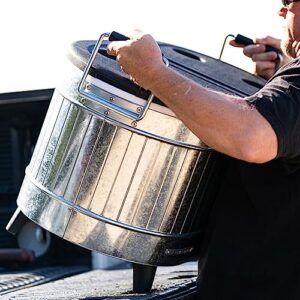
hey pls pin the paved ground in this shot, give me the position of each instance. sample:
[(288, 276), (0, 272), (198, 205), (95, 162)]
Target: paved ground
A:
[(100, 284)]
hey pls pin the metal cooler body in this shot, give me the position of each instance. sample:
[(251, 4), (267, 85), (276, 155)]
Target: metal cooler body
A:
[(140, 190)]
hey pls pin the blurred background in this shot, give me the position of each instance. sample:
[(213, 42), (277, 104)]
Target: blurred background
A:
[(35, 35)]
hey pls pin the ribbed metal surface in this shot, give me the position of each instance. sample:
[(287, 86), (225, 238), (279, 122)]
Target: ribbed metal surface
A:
[(10, 282), (110, 171), (152, 178)]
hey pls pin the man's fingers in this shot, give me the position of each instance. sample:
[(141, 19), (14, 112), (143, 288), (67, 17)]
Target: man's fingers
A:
[(235, 44), (112, 48), (268, 40), (265, 65), (250, 50), (265, 56), (265, 69)]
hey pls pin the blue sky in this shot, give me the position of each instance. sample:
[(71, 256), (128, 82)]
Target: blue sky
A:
[(36, 33)]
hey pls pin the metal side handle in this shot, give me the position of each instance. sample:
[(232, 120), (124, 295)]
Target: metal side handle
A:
[(86, 93)]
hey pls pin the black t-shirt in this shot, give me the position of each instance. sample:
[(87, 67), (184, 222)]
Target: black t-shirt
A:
[(254, 228)]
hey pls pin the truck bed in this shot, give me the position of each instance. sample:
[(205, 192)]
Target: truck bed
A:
[(78, 282)]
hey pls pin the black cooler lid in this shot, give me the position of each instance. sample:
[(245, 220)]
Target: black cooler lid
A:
[(205, 70)]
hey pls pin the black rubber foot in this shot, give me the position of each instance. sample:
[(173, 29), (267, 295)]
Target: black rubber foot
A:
[(143, 277)]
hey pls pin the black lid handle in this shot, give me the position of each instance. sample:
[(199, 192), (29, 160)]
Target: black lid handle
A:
[(241, 39), (116, 36)]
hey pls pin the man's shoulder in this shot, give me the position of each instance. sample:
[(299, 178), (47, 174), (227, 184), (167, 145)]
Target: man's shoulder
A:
[(293, 64)]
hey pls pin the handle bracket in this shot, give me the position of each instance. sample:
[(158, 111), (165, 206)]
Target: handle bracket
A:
[(85, 92)]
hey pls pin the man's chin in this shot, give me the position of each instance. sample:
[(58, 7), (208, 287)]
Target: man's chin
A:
[(287, 48)]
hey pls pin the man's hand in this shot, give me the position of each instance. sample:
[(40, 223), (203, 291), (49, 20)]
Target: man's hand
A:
[(140, 57), (224, 122), (266, 63)]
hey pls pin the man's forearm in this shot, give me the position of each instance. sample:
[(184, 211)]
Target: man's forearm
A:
[(224, 122)]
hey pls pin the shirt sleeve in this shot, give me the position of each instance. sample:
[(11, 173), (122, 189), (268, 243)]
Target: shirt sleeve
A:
[(279, 103)]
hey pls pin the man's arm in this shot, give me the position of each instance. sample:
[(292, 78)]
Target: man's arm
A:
[(226, 123)]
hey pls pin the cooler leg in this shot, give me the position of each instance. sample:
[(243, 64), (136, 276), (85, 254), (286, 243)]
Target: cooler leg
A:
[(143, 277), (16, 222)]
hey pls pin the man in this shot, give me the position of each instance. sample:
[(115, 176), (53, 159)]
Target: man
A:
[(253, 237)]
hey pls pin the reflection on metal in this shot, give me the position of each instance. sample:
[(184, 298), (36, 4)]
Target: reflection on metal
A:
[(139, 193), (116, 191)]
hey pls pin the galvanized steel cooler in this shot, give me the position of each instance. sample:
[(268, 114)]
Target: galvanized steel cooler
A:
[(114, 170)]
